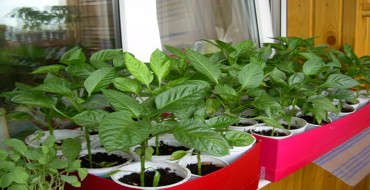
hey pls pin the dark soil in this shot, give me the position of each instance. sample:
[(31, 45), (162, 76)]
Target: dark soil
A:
[(291, 127), (347, 109), (311, 119), (101, 160), (93, 132), (268, 133), (167, 178), (165, 149), (242, 124), (207, 168)]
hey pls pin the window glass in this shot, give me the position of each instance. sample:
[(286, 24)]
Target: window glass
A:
[(35, 33), (184, 22)]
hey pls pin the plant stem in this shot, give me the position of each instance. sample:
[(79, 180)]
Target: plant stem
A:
[(291, 114), (273, 131), (87, 136), (142, 160), (199, 163), (157, 145), (50, 126)]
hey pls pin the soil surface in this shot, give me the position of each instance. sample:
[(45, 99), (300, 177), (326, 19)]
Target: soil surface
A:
[(311, 119), (347, 109), (101, 160), (167, 178), (242, 124), (291, 127), (268, 133), (165, 149), (207, 168)]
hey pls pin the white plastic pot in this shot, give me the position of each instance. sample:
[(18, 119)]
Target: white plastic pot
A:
[(101, 172), (167, 139), (59, 134), (136, 167), (204, 158), (263, 128), (335, 117), (237, 152), (250, 124), (300, 123)]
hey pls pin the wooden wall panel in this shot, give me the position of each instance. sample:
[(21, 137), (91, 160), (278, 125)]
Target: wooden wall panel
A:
[(300, 18), (313, 177), (328, 22)]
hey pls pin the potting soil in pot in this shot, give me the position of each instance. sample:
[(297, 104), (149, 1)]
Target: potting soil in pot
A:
[(167, 178), (312, 120), (347, 109), (268, 133), (101, 160), (291, 127), (207, 168), (165, 149)]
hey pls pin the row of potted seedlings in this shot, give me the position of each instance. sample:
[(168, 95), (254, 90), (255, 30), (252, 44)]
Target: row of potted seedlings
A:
[(201, 102)]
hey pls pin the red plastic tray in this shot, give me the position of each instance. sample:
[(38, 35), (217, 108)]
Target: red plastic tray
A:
[(242, 174), (279, 158)]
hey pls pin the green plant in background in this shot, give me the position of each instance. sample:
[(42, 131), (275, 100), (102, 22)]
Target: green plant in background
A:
[(311, 71), (25, 167)]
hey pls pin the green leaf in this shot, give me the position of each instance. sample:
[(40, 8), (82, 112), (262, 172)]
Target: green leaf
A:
[(239, 138), (221, 121), (156, 178), (73, 165), (89, 118), (49, 69), (20, 115), (119, 61), (203, 65), (58, 163), (95, 101), (118, 131), (49, 141), (6, 180), (148, 152), (251, 75), (138, 69), (50, 78), (55, 88), (100, 79), (278, 76), (71, 148), (200, 137), (73, 180), (3, 154), (269, 121), (175, 51), (177, 155), (322, 102), (106, 55), (17, 145), (74, 55), (297, 78), (6, 165), (313, 66), (82, 173), (160, 64), (182, 96), (212, 105), (225, 91), (34, 100), (19, 175), (18, 187), (121, 101), (99, 64), (340, 81), (80, 70), (127, 85), (164, 127)]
